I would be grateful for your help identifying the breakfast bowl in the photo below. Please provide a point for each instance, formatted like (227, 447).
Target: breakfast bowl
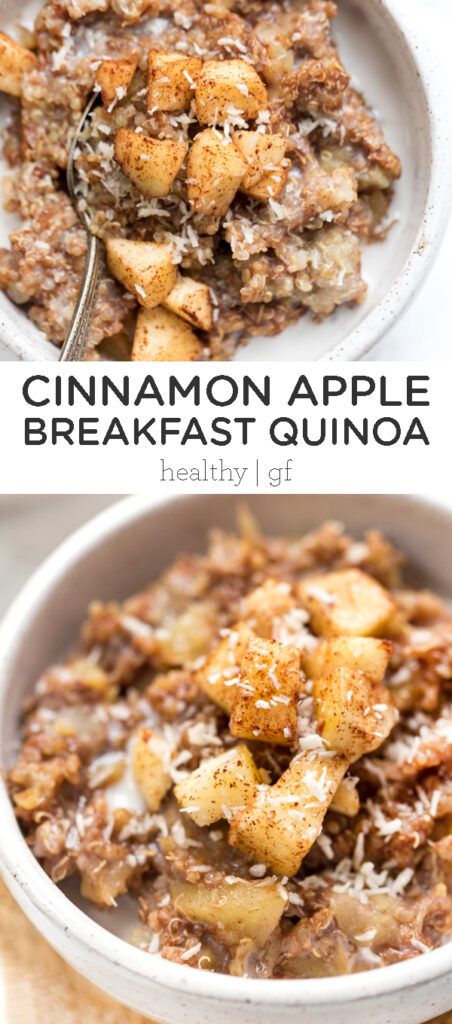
(113, 555)
(384, 46)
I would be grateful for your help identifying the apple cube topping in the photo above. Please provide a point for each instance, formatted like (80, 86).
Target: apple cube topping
(265, 606)
(171, 302)
(270, 185)
(266, 696)
(228, 89)
(219, 786)
(267, 168)
(15, 62)
(215, 169)
(346, 798)
(191, 301)
(151, 164)
(171, 80)
(113, 77)
(358, 653)
(243, 909)
(262, 152)
(219, 675)
(150, 758)
(161, 336)
(144, 268)
(284, 820)
(355, 714)
(346, 603)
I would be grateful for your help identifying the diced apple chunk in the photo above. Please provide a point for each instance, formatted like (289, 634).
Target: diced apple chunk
(161, 336)
(113, 78)
(128, 11)
(144, 268)
(226, 88)
(191, 300)
(271, 185)
(346, 798)
(279, 60)
(266, 697)
(282, 824)
(189, 635)
(262, 606)
(151, 164)
(243, 909)
(15, 61)
(219, 675)
(359, 653)
(381, 914)
(218, 786)
(150, 756)
(347, 602)
(215, 169)
(262, 152)
(354, 714)
(171, 80)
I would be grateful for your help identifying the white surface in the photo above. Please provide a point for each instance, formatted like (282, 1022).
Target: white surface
(114, 555)
(378, 56)
(424, 332)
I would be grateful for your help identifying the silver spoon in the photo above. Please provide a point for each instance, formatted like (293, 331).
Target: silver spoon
(74, 347)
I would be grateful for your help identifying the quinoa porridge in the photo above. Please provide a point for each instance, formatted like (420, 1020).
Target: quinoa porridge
(258, 750)
(232, 168)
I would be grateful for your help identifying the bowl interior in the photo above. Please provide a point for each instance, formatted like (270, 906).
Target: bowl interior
(376, 52)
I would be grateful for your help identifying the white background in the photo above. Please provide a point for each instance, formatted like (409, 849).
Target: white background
(425, 323)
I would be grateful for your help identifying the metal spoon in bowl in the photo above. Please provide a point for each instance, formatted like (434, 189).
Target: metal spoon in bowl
(74, 346)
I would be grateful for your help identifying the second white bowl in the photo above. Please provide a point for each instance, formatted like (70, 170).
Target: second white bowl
(120, 551)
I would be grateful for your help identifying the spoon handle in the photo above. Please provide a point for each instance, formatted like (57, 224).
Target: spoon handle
(74, 347)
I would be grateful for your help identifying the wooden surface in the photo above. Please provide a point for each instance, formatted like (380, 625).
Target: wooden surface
(39, 987)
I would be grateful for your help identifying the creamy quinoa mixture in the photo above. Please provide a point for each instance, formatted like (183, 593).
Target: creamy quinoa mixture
(258, 750)
(288, 242)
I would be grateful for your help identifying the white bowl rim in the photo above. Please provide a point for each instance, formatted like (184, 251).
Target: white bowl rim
(433, 222)
(438, 203)
(20, 868)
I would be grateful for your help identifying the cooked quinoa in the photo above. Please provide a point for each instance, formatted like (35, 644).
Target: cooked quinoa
(258, 750)
(265, 262)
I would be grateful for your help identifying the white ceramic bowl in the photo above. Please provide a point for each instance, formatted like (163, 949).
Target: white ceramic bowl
(386, 51)
(119, 551)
